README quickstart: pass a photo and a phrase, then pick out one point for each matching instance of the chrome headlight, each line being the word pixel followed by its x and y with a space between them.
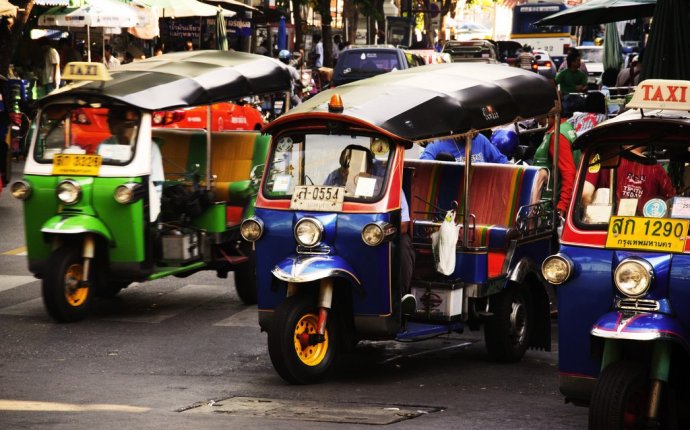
pixel 251 229
pixel 21 190
pixel 308 232
pixel 633 277
pixel 68 192
pixel 126 193
pixel 556 269
pixel 375 233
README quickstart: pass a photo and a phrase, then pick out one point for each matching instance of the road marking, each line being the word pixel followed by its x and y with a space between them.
pixel 171 304
pixel 31 406
pixel 7 282
pixel 17 251
pixel 245 318
pixel 28 308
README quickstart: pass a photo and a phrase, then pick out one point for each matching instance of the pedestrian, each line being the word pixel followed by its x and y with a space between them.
pixel 318 51
pixel 525 58
pixel 337 47
pixel 188 45
pixel 110 60
pixel 50 76
pixel 572 79
pixel 630 76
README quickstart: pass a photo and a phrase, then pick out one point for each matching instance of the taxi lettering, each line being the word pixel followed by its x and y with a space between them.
pixel 666 93
pixel 89 70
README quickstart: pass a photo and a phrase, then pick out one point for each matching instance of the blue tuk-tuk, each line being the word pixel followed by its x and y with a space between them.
pixel 330 224
pixel 623 270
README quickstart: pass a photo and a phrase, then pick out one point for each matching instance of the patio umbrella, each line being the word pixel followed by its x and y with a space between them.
pixel 7 9
pixel 282 34
pixel 666 55
pixel 612 47
pixel 221 31
pixel 182 8
pixel 601 12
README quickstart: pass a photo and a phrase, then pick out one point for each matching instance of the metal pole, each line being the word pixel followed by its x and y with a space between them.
pixel 208 147
pixel 554 165
pixel 466 194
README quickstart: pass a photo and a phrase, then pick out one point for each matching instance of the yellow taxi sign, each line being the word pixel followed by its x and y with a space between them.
pixel 83 71
pixel 661 94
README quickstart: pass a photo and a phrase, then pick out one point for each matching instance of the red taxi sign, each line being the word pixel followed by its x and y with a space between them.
pixel 661 94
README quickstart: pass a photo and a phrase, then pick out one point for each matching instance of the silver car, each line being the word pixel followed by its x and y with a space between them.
pixel 543 64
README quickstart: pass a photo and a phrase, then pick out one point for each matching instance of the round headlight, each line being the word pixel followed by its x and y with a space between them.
pixel 556 269
pixel 68 192
pixel 21 190
pixel 125 193
pixel 251 229
pixel 372 234
pixel 633 277
pixel 308 232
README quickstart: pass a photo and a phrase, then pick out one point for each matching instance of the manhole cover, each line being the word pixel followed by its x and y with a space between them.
pixel 354 413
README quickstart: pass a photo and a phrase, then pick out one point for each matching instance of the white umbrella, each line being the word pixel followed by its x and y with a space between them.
pixel 98 13
pixel 182 8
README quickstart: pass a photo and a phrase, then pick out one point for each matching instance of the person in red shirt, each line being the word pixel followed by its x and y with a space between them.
pixel 565 165
pixel 637 177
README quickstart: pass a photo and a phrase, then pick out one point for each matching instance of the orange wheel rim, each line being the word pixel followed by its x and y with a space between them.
pixel 75 291
pixel 311 355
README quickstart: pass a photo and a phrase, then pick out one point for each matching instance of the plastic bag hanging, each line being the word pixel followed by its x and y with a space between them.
pixel 443 243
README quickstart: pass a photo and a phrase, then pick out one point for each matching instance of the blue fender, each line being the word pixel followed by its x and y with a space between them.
pixel 76 224
pixel 640 326
pixel 308 268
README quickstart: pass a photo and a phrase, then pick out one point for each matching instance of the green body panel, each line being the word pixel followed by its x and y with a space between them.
pixel 213 219
pixel 197 153
pixel 239 192
pixel 97 211
pixel 167 271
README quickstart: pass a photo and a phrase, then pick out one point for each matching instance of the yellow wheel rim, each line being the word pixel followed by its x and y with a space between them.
pixel 75 292
pixel 310 355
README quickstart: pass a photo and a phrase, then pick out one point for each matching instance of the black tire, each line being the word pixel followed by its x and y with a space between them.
pixel 620 400
pixel 245 281
pixel 297 365
pixel 63 301
pixel 507 331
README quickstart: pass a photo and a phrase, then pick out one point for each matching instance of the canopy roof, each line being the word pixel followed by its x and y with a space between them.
pixel 601 12
pixel 433 101
pixel 7 9
pixel 184 79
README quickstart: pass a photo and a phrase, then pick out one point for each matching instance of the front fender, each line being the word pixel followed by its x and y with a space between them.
pixel 641 326
pixel 308 268
pixel 76 224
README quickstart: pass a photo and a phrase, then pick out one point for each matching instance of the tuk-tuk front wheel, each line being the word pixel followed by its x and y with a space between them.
pixel 295 353
pixel 66 296
pixel 507 331
pixel 620 400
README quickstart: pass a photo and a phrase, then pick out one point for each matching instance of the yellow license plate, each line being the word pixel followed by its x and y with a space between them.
pixel 647 234
pixel 76 164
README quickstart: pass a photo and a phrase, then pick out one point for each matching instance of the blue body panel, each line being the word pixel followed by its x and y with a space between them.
pixel 586 303
pixel 343 234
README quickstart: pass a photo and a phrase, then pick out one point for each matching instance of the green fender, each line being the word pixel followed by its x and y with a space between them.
pixel 75 224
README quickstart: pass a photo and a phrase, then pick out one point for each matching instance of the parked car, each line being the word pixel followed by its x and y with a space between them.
pixel 543 64
pixel 593 57
pixel 365 61
pixel 478 51
pixel 472 30
pixel 508 51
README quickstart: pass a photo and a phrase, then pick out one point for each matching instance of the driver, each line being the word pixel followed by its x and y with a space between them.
pixel 122 123
pixel 339 176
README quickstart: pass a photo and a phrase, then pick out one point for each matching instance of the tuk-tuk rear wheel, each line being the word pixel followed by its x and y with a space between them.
pixel 66 297
pixel 245 281
pixel 507 331
pixel 297 360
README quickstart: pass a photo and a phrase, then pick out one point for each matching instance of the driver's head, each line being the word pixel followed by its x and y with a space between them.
pixel 122 120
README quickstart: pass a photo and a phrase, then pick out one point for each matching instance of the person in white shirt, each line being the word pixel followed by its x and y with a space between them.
pixel 110 61
pixel 50 78
pixel 318 48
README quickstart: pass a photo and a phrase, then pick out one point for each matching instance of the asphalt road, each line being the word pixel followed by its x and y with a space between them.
pixel 185 353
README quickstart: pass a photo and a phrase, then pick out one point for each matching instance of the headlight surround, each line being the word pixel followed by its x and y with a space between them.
pixel 556 269
pixel 375 233
pixel 21 190
pixel 252 229
pixel 126 193
pixel 68 192
pixel 308 232
pixel 633 277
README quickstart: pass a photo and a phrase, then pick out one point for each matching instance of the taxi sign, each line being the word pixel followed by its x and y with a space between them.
pixel 661 94
pixel 647 234
pixel 83 71
pixel 76 164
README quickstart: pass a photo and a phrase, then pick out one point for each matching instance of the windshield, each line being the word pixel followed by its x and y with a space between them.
pixel 592 55
pixel 357 164
pixel 368 62
pixel 649 178
pixel 68 129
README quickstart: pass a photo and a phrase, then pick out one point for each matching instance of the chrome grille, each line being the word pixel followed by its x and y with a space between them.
pixel 638 305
